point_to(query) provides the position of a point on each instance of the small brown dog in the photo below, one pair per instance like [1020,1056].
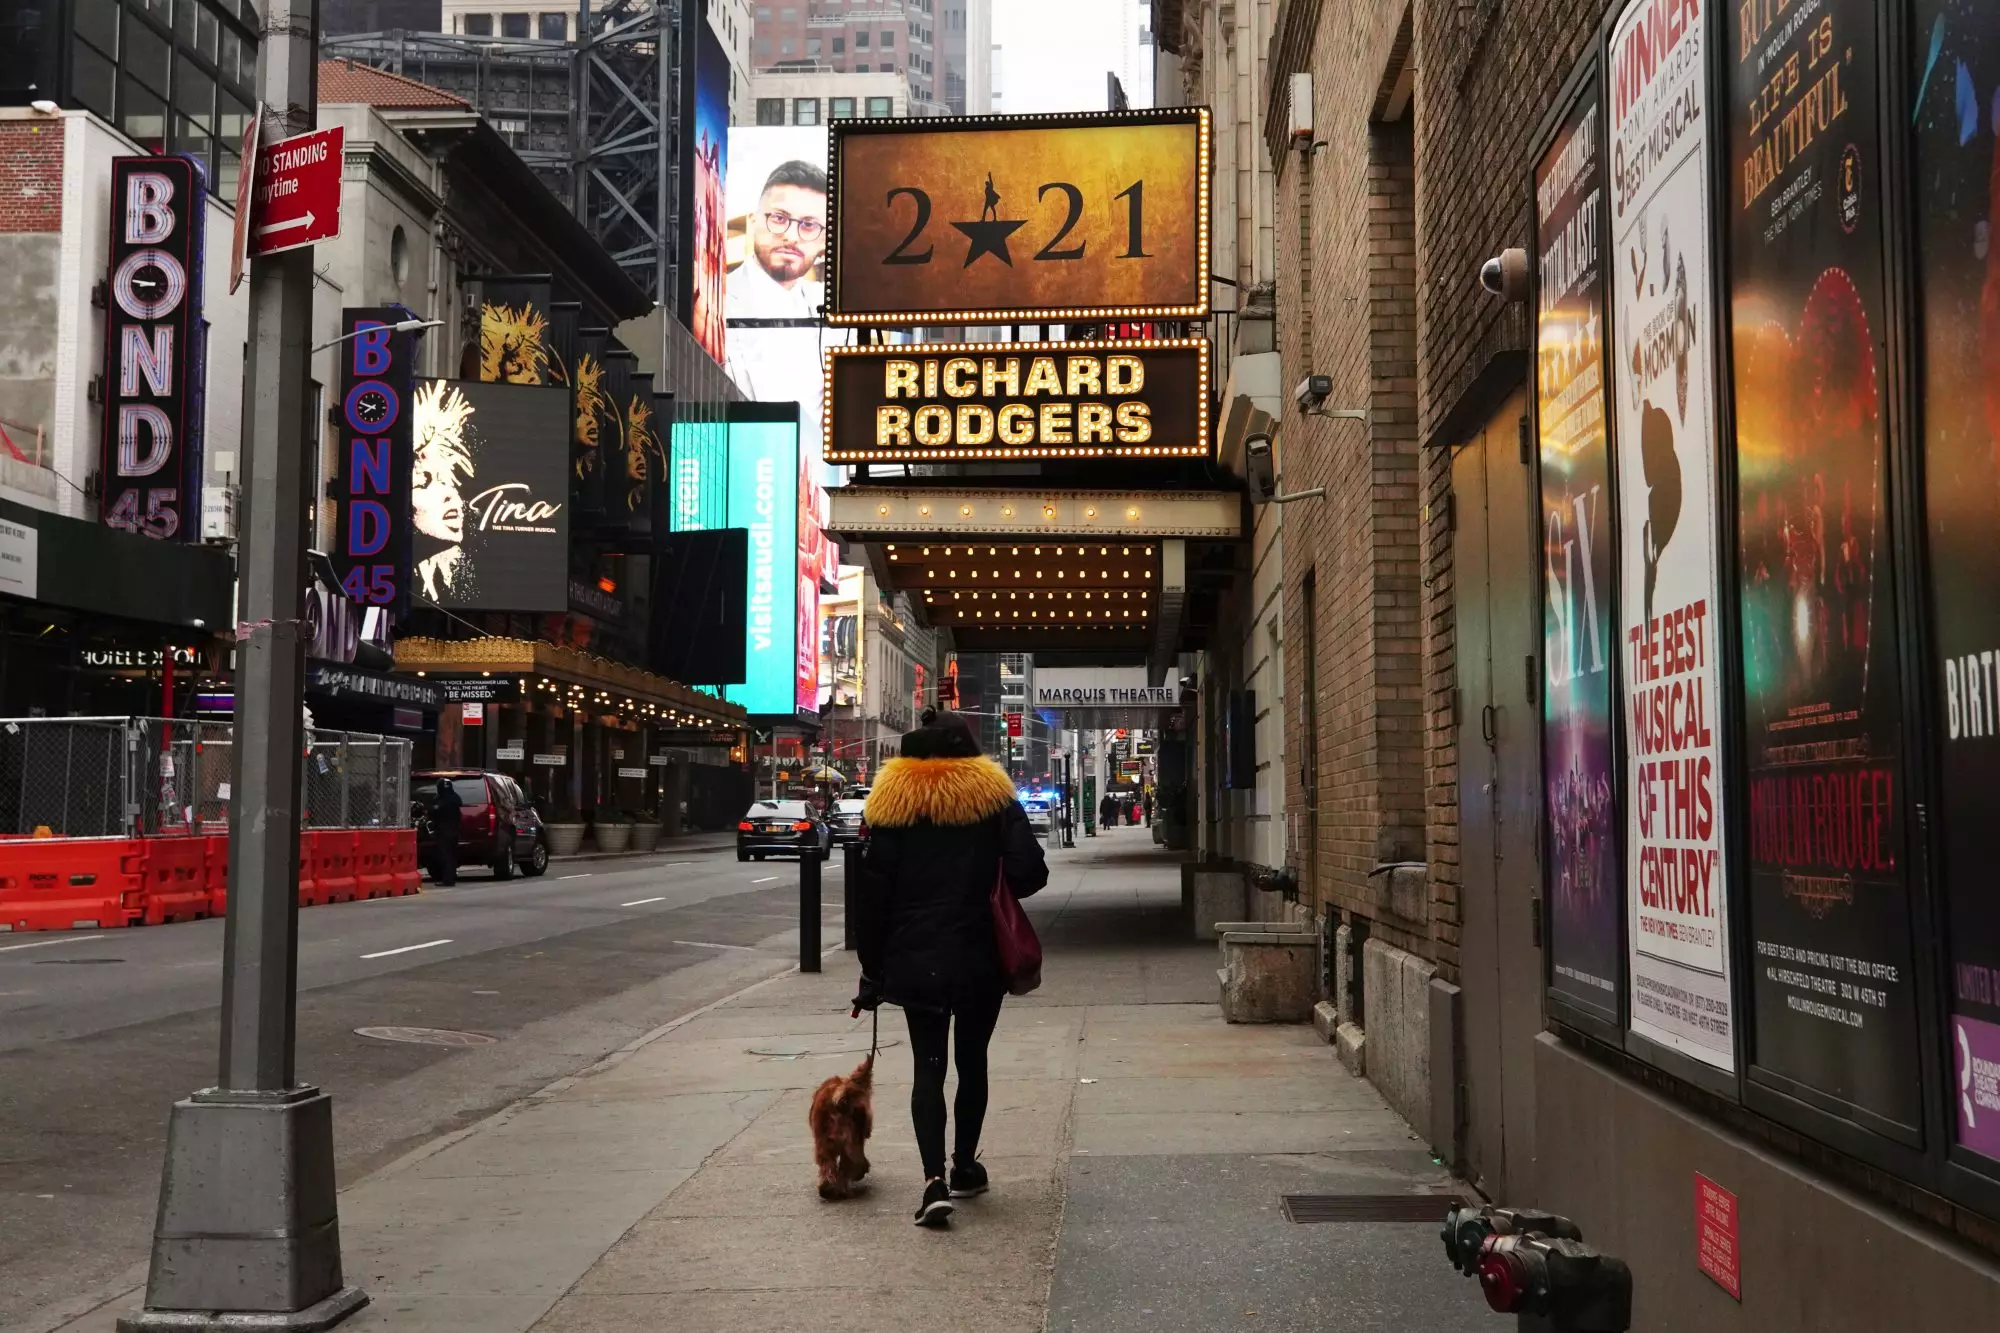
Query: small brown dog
[842,1116]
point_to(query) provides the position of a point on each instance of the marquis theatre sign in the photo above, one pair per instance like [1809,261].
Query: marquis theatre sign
[959,401]
[153,347]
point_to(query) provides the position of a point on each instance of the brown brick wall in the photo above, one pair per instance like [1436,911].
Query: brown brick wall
[1347,306]
[31,158]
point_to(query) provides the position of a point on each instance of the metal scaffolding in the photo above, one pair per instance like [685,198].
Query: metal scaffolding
[598,118]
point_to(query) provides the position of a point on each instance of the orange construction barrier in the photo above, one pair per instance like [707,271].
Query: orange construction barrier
[403,860]
[218,873]
[373,877]
[71,883]
[333,865]
[177,885]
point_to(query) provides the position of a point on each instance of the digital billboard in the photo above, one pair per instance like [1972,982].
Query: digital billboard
[153,348]
[776,230]
[998,219]
[959,401]
[706,114]
[489,496]
[745,474]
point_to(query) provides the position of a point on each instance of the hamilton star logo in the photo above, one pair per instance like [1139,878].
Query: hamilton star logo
[989,234]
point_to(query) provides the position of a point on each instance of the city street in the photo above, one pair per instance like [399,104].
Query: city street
[101,1031]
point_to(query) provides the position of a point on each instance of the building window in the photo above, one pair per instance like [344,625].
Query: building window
[770,111]
[840,46]
[805,111]
[514,25]
[552,27]
[477,25]
[888,40]
[812,46]
[860,41]
[862,68]
[881,108]
[785,47]
[839,108]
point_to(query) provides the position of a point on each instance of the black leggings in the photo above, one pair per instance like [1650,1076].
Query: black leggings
[928,1031]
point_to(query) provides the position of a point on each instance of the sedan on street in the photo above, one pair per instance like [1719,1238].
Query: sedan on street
[782,828]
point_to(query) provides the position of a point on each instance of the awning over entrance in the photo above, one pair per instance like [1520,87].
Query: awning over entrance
[612,685]
[1097,573]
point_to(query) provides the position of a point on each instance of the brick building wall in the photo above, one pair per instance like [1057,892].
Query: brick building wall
[1346,251]
[31,165]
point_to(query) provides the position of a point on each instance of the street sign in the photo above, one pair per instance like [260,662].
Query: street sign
[246,178]
[1013,725]
[296,196]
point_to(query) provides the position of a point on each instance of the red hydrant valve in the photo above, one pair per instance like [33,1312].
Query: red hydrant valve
[1574,1287]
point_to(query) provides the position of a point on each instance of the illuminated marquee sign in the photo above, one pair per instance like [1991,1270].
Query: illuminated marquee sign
[152,347]
[1004,219]
[372,529]
[891,404]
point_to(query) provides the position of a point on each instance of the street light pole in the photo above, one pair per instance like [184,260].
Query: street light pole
[248,1233]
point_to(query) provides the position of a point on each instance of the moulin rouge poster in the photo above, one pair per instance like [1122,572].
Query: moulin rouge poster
[1583,889]
[1663,360]
[1829,916]
[1956,134]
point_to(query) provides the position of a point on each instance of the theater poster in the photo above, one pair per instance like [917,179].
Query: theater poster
[1956,131]
[1664,427]
[1834,1008]
[1583,889]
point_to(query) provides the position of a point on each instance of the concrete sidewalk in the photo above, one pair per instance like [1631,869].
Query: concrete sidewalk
[1138,1148]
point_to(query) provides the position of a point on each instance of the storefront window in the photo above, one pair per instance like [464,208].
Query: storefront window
[93,79]
[1957,176]
[146,57]
[97,23]
[142,114]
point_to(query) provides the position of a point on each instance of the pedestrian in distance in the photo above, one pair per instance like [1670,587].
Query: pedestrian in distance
[944,827]
[448,814]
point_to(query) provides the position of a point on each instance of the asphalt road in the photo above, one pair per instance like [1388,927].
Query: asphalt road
[101,1032]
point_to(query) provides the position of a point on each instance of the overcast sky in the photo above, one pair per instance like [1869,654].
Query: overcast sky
[1054,54]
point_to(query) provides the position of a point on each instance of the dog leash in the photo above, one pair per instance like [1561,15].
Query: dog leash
[875,1037]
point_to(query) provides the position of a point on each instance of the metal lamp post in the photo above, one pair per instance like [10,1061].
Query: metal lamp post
[248,1233]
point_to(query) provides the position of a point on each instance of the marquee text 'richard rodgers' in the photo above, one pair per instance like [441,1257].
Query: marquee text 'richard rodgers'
[1096,401]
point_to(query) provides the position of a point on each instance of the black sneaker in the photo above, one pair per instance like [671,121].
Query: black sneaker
[935,1210]
[968,1179]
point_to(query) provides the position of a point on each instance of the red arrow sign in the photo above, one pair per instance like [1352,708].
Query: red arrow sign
[297,198]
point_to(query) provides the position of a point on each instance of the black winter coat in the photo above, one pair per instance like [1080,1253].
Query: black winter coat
[939,830]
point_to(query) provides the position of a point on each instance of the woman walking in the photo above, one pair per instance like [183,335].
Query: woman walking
[942,824]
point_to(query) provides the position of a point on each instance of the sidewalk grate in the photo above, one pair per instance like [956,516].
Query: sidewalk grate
[1369,1207]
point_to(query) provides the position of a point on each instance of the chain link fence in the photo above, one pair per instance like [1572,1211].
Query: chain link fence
[82,777]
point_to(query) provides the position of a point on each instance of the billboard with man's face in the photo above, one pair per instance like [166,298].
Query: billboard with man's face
[777,251]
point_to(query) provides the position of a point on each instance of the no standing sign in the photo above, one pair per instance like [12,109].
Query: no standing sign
[296,196]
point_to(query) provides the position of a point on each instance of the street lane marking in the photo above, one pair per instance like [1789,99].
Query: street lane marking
[585,875]
[704,944]
[42,944]
[407,948]
[641,902]
[768,879]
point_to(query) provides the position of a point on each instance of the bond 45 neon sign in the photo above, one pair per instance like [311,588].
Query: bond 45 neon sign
[371,546]
[152,346]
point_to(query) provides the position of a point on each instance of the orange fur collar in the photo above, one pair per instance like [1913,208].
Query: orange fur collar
[943,791]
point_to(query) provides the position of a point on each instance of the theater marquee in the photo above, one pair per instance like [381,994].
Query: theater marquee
[960,401]
[999,219]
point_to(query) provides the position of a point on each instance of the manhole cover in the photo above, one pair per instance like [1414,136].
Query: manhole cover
[427,1036]
[73,962]
[798,1048]
[1369,1207]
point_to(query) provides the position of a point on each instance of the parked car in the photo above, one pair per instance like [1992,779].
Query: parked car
[846,819]
[498,826]
[782,828]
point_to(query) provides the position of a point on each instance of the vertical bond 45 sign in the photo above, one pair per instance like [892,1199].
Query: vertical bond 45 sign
[371,545]
[153,347]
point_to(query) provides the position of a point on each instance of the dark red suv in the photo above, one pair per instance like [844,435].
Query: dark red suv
[498,826]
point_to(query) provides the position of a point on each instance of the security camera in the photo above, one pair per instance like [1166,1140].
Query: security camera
[1259,468]
[1506,274]
[1312,391]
